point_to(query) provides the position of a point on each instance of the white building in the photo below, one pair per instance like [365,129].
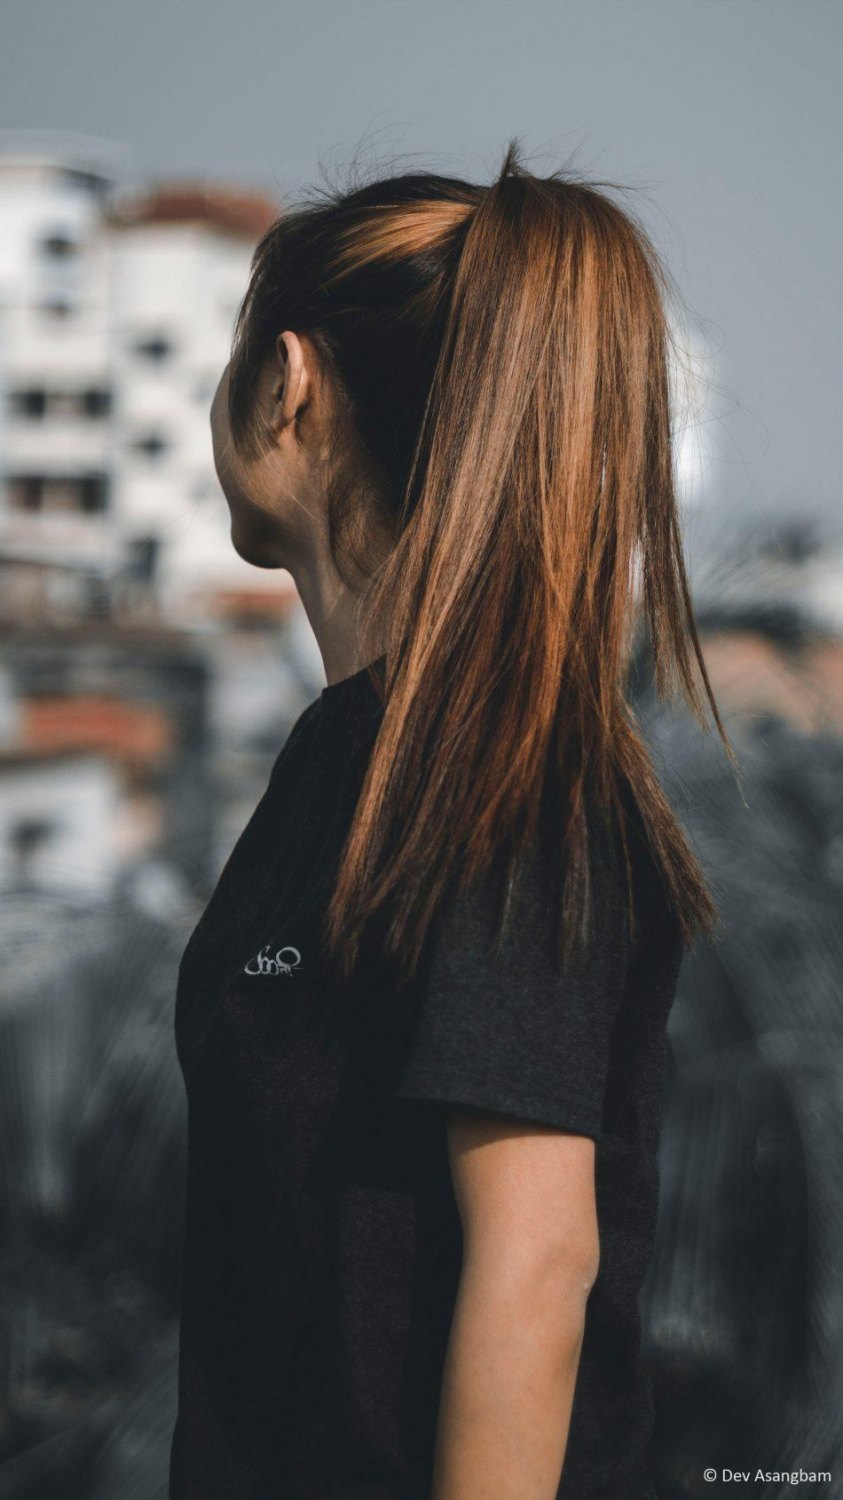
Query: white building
[116,316]
[55,366]
[180,264]
[59,816]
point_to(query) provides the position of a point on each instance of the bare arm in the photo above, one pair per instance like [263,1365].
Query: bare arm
[526,1197]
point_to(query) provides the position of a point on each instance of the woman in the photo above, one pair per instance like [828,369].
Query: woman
[422,1020]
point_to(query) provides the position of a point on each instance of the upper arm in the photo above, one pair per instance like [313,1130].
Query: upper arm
[526,1197]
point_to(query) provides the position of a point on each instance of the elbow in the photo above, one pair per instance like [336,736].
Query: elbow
[566,1273]
[552,1300]
[548,1280]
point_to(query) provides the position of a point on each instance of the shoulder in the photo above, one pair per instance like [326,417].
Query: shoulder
[629,908]
[514,910]
[302,729]
[502,1020]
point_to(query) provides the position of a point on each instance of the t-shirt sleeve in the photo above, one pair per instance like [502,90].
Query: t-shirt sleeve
[516,1031]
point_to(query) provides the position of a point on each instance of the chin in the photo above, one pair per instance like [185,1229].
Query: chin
[255,547]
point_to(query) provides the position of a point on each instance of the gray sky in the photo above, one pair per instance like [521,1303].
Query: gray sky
[725,114]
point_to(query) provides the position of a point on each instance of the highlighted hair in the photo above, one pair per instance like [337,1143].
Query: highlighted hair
[502,357]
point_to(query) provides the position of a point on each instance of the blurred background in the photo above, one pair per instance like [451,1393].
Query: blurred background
[148,677]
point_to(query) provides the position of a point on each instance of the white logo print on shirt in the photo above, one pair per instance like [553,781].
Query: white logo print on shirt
[282,962]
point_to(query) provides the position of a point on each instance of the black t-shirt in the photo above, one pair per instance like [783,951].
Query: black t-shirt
[322,1240]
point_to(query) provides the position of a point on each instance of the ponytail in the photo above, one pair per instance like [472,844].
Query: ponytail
[534,475]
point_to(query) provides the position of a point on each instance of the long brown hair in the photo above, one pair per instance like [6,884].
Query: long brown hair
[501,356]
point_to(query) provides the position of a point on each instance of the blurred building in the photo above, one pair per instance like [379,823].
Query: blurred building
[179,265]
[770,611]
[147,674]
[57,816]
[116,314]
[57,524]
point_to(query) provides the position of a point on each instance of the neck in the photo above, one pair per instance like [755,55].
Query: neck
[335,614]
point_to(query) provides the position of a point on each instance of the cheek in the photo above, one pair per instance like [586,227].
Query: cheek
[226,461]
[220,437]
[230,470]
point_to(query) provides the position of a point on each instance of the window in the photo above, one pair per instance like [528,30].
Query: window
[33,402]
[96,402]
[75,404]
[142,558]
[25,492]
[57,308]
[93,493]
[28,403]
[156,348]
[60,244]
[84,494]
[152,445]
[28,835]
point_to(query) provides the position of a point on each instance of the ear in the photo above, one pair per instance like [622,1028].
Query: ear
[291,384]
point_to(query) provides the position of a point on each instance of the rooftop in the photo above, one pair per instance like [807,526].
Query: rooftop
[234,211]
